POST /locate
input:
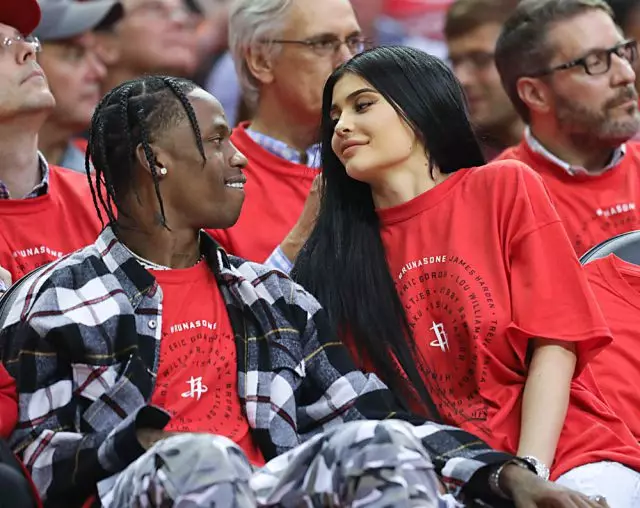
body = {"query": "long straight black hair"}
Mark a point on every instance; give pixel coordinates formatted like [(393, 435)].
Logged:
[(343, 263)]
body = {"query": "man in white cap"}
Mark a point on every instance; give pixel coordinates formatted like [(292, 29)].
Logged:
[(72, 62)]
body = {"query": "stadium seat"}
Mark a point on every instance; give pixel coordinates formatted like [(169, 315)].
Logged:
[(625, 246)]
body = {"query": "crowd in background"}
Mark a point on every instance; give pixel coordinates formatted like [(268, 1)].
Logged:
[(319, 253)]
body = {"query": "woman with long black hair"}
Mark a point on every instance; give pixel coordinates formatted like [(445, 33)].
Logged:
[(455, 281)]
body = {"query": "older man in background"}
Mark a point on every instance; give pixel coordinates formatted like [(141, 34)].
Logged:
[(153, 37), (46, 211), (284, 50), (72, 63)]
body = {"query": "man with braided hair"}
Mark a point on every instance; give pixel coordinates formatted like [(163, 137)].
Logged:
[(155, 370)]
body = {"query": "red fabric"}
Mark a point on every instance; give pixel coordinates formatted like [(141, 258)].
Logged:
[(593, 208), (616, 285), (8, 403), (406, 8), (39, 230), (482, 264), (81, 144), (9, 418), (275, 193), (32, 486), (89, 502), (197, 375), (23, 15)]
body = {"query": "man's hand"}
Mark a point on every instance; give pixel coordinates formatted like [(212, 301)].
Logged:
[(296, 238), (529, 491), (5, 280)]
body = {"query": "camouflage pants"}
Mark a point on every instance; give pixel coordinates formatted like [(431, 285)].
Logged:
[(368, 463)]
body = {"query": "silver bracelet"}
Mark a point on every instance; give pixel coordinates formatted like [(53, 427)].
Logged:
[(494, 478)]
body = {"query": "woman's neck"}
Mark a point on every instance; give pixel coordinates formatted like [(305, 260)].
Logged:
[(399, 186)]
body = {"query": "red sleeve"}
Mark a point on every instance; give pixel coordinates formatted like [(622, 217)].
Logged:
[(8, 403), (551, 297)]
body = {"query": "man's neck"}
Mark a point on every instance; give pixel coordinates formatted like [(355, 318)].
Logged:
[(502, 137), (53, 140), (593, 157), (19, 162), (274, 122), (178, 248)]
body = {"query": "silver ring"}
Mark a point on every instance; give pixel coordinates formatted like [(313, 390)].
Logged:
[(597, 499)]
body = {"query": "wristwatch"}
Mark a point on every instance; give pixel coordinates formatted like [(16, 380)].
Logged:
[(541, 468)]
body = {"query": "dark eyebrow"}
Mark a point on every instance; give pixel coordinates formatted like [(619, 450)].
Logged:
[(218, 127), (593, 51), (353, 95)]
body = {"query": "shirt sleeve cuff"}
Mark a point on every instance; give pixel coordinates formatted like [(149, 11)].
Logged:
[(279, 261)]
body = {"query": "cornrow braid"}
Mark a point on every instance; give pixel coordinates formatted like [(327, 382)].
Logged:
[(148, 153), (95, 189), (191, 115), (96, 194), (131, 115), (103, 157), (123, 112)]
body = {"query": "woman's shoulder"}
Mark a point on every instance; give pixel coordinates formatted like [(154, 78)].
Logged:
[(504, 168), (505, 172), (504, 183)]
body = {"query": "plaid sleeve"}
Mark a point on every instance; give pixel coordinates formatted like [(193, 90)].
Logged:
[(62, 436), (336, 391)]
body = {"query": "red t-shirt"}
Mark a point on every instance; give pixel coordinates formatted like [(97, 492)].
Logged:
[(197, 375), (482, 264), (616, 285), (81, 144), (275, 193), (36, 231), (592, 208), (8, 403), (408, 8)]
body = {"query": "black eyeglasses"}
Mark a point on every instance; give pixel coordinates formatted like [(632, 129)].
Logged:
[(598, 61), (328, 45)]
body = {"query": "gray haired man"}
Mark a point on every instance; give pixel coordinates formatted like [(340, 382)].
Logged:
[(284, 50)]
